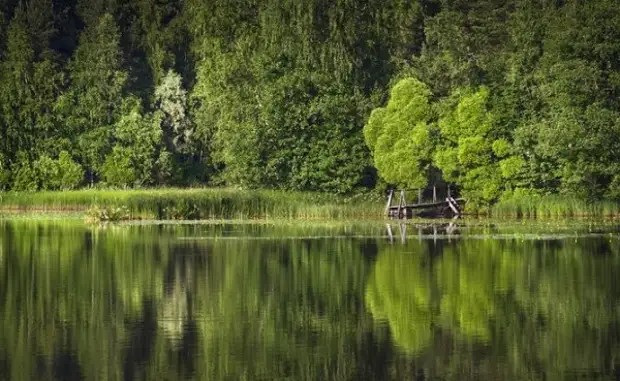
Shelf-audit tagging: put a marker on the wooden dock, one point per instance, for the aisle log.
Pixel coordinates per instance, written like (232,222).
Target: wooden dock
(448,207)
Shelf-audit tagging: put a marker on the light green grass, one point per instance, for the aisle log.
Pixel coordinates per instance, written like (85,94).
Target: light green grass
(553,206)
(192,204)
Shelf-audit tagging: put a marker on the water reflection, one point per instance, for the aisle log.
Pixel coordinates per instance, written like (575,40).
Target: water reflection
(140,303)
(423,231)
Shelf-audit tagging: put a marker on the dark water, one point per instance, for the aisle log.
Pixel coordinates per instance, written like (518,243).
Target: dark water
(256,302)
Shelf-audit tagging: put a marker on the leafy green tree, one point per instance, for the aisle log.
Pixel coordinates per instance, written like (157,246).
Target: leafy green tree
(575,82)
(92,104)
(5,173)
(464,44)
(158,34)
(31,77)
(71,173)
(400,135)
(465,153)
(140,136)
(24,175)
(275,88)
(171,99)
(118,168)
(46,173)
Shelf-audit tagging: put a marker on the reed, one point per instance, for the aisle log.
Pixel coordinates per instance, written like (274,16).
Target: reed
(553,206)
(194,204)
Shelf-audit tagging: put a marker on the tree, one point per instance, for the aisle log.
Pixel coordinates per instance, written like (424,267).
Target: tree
(181,152)
(118,169)
(400,135)
(138,138)
(92,104)
(31,78)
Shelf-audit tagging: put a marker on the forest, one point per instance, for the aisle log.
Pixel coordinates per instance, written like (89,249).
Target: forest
(501,98)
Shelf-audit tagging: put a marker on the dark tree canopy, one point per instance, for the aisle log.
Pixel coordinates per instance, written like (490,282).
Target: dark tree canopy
(497,96)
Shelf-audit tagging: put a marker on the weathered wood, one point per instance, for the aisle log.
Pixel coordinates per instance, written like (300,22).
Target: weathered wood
(448,206)
(430,204)
(452,204)
(434,194)
(402,204)
(389,202)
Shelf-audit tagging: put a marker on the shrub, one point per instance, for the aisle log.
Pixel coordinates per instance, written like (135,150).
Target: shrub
(5,174)
(25,177)
(118,170)
(98,213)
(71,173)
(46,173)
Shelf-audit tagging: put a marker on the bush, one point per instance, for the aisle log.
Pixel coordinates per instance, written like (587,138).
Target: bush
(51,174)
(25,177)
(164,167)
(97,213)
(118,169)
(71,173)
(46,173)
(5,174)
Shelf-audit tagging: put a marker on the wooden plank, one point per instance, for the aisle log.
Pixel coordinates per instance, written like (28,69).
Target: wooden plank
(429,205)
(453,206)
(389,202)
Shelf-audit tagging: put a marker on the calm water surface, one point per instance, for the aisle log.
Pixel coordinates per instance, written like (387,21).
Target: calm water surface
(261,302)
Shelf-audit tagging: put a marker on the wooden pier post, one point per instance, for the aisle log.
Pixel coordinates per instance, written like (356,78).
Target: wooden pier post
(438,207)
(402,204)
(389,202)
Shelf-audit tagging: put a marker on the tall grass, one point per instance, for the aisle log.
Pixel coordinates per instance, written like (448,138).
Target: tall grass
(193,204)
(553,206)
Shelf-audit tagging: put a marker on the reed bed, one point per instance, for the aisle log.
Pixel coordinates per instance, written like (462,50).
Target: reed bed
(195,204)
(552,206)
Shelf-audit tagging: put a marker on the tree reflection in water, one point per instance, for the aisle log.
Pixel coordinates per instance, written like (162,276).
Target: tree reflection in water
(138,303)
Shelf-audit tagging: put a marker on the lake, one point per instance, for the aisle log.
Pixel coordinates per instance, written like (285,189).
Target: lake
(308,301)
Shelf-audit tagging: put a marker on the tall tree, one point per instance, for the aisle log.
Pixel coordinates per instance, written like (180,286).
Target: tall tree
(92,104)
(32,78)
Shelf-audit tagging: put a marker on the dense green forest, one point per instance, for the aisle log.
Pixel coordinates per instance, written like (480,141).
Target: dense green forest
(502,98)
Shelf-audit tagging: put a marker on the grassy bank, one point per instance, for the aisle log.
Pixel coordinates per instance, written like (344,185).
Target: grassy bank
(553,207)
(193,204)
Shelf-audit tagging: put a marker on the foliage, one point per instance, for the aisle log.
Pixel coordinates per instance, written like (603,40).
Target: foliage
(399,135)
(91,105)
(492,96)
(96,214)
(172,101)
(62,173)
(466,151)
(71,173)
(118,169)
